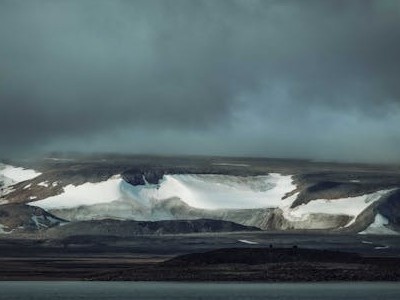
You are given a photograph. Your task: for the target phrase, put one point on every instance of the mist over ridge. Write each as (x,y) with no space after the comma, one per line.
(295,79)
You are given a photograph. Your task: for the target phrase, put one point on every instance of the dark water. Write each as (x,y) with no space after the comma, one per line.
(225,291)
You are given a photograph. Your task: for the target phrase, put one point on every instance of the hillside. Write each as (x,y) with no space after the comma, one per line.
(273,195)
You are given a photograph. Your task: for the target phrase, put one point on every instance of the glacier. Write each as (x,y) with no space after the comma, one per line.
(248,200)
(197,191)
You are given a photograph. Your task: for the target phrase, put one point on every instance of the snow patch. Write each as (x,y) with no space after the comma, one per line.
(10,175)
(248,242)
(367,242)
(379,227)
(42,221)
(351,206)
(85,194)
(2,231)
(44,184)
(218,191)
(27,186)
(381,247)
(18,174)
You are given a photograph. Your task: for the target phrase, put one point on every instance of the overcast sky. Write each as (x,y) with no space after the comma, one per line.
(303,79)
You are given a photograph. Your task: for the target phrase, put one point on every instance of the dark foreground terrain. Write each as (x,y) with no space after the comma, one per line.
(204,257)
(198,245)
(265,264)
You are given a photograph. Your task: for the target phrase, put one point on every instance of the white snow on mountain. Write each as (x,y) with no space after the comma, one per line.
(10,175)
(218,191)
(17,174)
(198,191)
(115,198)
(85,194)
(44,184)
(351,206)
(379,227)
(248,242)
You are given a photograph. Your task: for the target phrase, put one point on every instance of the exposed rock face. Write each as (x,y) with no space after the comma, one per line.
(315,186)
(24,218)
(132,228)
(391,209)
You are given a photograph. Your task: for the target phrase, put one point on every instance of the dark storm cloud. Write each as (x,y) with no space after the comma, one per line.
(316,79)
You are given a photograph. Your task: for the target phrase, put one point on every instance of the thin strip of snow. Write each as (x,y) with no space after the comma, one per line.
(39,225)
(248,242)
(54,220)
(381,247)
(40,221)
(230,164)
(59,159)
(27,186)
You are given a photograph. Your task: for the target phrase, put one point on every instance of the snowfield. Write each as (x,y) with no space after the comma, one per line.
(17,174)
(83,195)
(351,206)
(218,191)
(206,196)
(198,191)
(10,175)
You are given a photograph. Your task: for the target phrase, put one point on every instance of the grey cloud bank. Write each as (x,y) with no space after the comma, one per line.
(308,79)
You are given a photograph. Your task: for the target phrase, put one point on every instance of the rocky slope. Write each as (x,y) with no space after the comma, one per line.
(268,194)
(24,218)
(132,228)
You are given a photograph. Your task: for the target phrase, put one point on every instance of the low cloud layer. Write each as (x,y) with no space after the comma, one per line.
(308,79)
